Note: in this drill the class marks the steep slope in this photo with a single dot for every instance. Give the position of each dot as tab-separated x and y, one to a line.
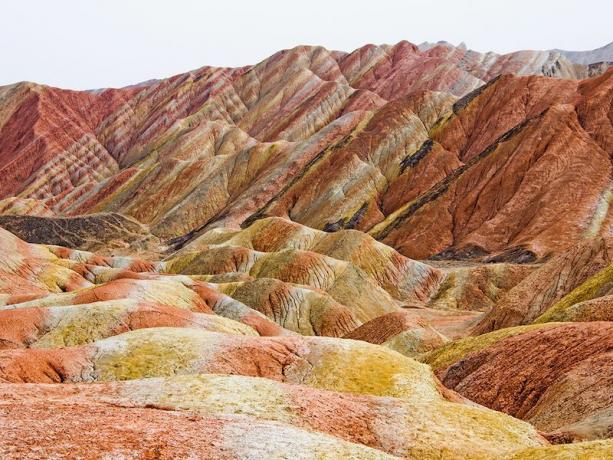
528	157
565	378
591	301
547	285
329	139
396	252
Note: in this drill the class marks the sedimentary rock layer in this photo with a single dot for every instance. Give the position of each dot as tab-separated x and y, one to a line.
397	252
131	322
374	140
564	385
95	232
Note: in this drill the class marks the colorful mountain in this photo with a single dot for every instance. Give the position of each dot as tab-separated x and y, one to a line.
398	252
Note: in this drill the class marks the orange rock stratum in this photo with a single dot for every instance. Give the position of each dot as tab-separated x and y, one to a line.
398	252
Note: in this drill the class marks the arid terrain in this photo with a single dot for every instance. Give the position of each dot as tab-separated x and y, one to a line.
401	251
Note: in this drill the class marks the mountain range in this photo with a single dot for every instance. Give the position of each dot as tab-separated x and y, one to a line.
403	251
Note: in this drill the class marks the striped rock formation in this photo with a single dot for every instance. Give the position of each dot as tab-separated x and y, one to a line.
398	252
564	385
129	322
374	140
550	283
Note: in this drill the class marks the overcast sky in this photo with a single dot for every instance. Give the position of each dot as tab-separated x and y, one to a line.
101	43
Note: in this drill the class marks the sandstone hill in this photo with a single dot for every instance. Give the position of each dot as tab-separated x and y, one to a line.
397	252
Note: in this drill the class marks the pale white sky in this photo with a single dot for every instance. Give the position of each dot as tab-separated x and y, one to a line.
102	43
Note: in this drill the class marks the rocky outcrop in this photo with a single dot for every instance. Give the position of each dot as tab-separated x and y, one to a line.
397	252
591	301
547	285
456	351
598	309
404	279
529	62
304	310
529	154
565	377
127	321
332	140
96	232
398	327
476	287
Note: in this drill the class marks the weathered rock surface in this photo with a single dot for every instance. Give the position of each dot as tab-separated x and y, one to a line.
342	281
591	301
80	427
127	320
132	322
565	377
105	232
397	252
527	157
540	290
300	309
231	413
370	140
400	332
72	325
476	287
456	351
404	279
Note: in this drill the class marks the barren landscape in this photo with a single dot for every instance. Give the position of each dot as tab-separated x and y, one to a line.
402	251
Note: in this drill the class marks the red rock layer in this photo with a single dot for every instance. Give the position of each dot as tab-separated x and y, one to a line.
534	180
548	284
329	139
553	377
384	327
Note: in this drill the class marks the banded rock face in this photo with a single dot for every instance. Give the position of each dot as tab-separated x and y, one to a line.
528	154
370	140
591	301
323	255
540	290
400	332
72	325
130	322
404	279
564	385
